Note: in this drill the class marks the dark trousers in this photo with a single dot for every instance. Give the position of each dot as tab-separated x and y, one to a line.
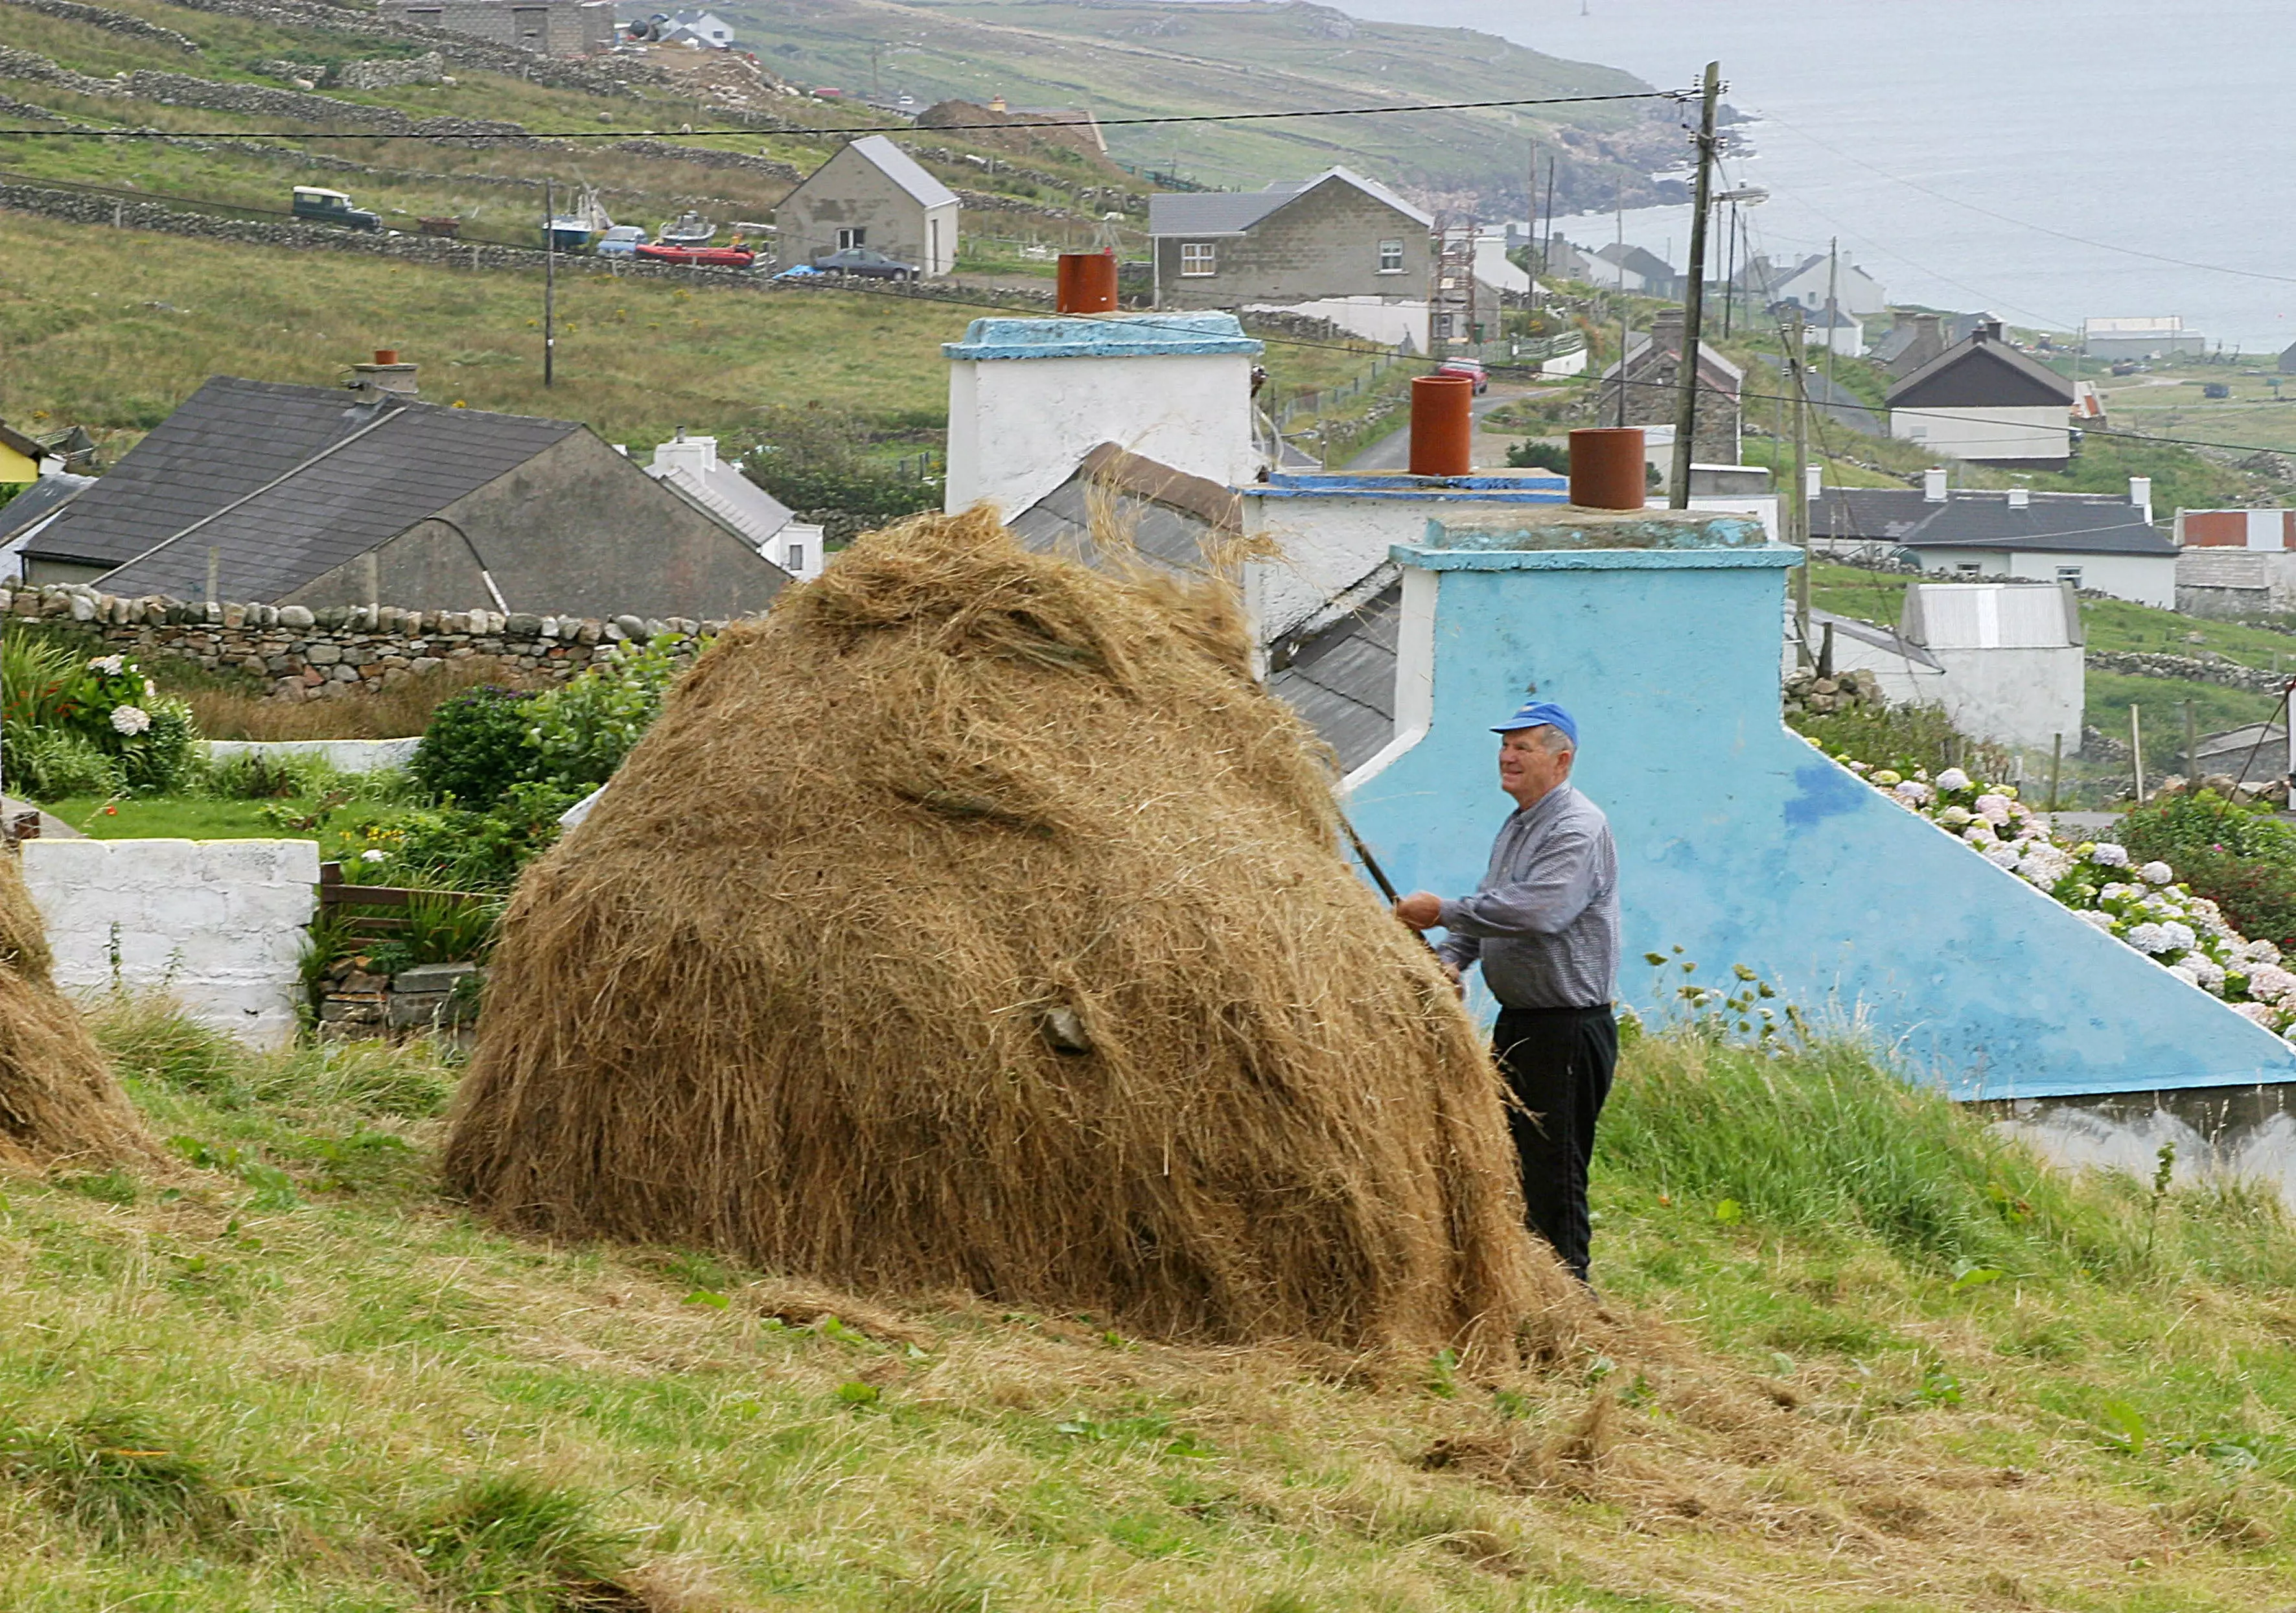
1557	1062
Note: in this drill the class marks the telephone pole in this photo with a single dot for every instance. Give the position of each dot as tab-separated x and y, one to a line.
549	280
1694	301
1796	503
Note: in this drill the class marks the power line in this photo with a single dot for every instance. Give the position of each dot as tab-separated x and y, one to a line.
827	134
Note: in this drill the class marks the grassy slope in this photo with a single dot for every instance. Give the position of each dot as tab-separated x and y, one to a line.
1144	57
1802	1406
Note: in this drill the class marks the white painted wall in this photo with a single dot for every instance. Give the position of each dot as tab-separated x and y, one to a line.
345	756
1392	322
2011	697
2039	431
218	925
1017	427
2149	579
1325	547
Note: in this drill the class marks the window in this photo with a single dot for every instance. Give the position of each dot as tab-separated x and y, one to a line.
2070	574
1969	568
847	238
1391	256
1197	258
796	567
531	24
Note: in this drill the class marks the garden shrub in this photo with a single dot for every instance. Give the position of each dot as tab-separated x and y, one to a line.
476	747
1536	455
581	731
96	726
2241	858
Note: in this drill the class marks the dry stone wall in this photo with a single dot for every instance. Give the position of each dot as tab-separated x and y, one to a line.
2228	674
304	654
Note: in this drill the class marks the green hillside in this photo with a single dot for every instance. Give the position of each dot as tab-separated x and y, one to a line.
1138	58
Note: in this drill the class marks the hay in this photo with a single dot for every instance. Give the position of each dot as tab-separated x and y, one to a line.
975	921
59	1103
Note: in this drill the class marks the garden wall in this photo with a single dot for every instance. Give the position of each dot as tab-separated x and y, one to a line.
218	925
304	654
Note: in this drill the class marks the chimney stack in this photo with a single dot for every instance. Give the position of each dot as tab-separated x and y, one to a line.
2021	498
2140	493
1933	485
697	454
386	374
1813	481
1442	425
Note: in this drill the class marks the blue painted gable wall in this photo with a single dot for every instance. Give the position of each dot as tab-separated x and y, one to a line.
1741	845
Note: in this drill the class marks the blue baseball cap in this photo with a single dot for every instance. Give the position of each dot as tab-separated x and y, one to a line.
1542	714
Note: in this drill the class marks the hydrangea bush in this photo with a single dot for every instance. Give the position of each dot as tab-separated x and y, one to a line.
2142	905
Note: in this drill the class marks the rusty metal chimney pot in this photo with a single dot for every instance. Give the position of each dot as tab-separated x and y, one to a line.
1086	283
1442	425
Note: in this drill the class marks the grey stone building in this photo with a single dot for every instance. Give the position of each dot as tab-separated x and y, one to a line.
1337	235
555	27
1651	376
316	495
871	194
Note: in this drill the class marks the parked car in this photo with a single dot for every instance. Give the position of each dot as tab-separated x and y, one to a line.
623	240
867	263
321	206
1471	368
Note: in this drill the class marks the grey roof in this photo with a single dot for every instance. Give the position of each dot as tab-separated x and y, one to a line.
1172	519
729	498
362	475
897	166
1990	522
1983	371
1233	212
228	439
43	498
1864	633
1341	677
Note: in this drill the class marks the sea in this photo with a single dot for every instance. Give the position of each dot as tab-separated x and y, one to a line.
2047	160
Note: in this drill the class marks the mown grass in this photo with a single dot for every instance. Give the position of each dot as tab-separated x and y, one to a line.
1865	1354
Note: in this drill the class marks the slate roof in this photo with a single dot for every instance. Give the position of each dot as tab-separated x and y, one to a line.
2050	523
1233	212
1173	516
228	439
728	497
895	165
1983	371
284	482
43	498
1341	677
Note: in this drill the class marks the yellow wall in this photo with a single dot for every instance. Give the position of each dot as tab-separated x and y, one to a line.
15	467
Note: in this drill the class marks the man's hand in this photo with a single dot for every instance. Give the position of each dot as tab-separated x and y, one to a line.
1422	910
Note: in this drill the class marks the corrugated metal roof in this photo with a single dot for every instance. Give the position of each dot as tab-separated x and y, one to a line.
1991	616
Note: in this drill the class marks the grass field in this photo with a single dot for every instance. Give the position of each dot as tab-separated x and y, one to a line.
1859	1355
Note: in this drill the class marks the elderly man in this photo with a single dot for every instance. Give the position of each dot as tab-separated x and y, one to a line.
1544	924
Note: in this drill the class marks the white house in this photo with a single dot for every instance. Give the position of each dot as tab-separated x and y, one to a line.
2140	336
707	30
1852	289
689	467
1982	400
2084	542
1841	331
2003	660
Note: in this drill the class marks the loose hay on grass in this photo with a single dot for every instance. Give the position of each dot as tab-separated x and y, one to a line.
59	1103
975	920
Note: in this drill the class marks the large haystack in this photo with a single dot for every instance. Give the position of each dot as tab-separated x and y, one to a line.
975	920
59	1104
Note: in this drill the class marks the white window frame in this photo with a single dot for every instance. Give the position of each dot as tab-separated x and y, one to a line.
1391	256
795	556
1198	258
851	237
2070	574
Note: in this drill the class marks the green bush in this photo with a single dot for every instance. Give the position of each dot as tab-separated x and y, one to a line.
1535	455
581	731
71	724
451	847
476	747
1908	739
52	764
2241	858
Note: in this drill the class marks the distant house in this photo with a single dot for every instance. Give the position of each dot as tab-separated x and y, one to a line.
555	27
2150	336
2288	360
689	466
318	495
1630	268
2004	659
707	30
24	458
2229	562
2107	546
1807	283
1983	400
1650	374
1840	331
1335	235
24	515
1872	523
873	194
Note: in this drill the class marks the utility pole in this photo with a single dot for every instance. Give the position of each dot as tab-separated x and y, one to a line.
1546	252
549	282
1694	302
1832	307
1797	500
1618	208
